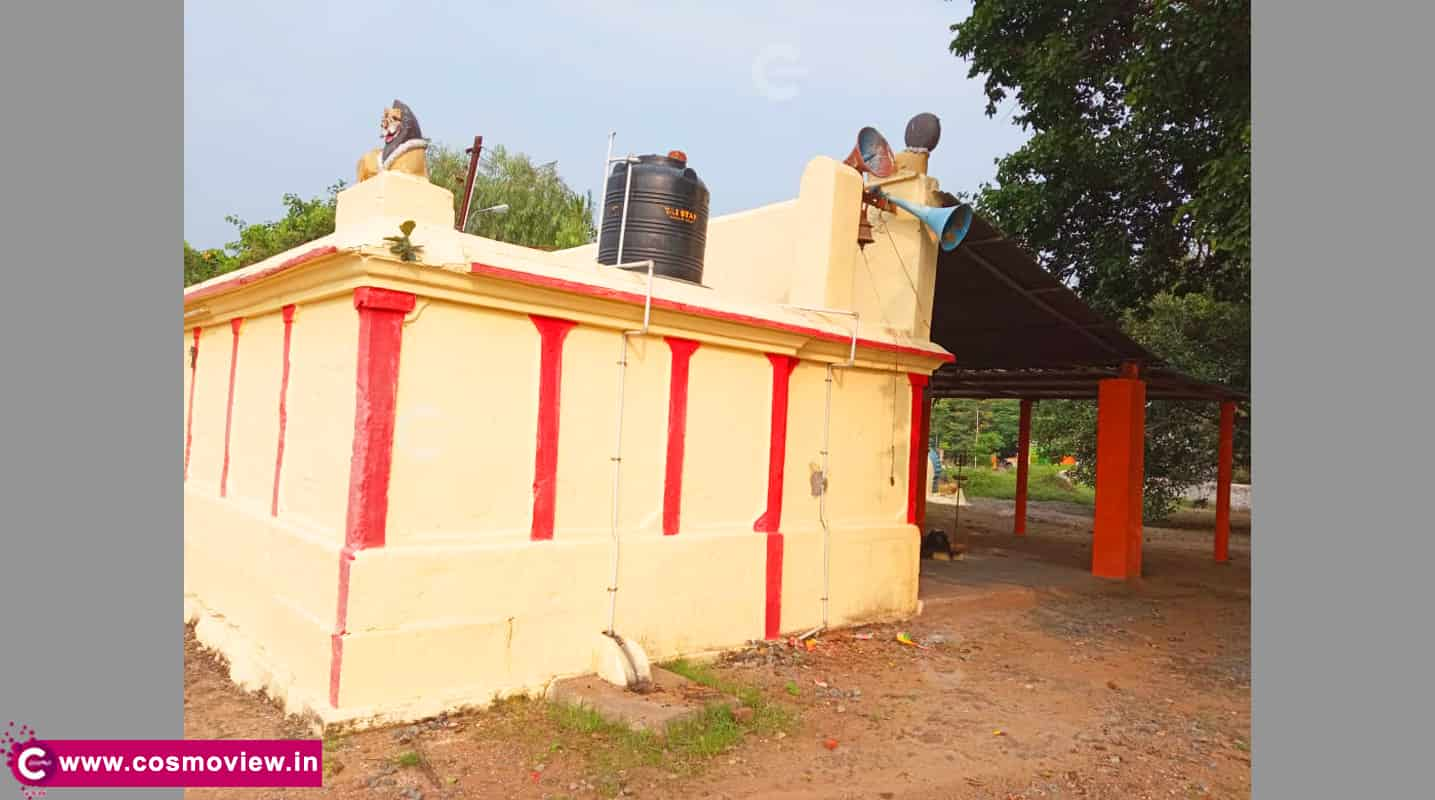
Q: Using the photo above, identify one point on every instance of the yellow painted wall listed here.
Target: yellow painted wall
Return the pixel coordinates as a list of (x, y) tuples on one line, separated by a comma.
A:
[(725, 462), (459, 605), (464, 434), (750, 254), (323, 359)]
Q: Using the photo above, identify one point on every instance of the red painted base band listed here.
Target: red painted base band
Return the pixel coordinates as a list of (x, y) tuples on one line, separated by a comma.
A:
[(683, 350), (189, 415), (283, 411), (550, 385), (234, 325)]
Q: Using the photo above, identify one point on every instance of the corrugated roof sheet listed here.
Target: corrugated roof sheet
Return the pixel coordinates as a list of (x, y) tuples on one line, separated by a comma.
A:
[(1017, 331)]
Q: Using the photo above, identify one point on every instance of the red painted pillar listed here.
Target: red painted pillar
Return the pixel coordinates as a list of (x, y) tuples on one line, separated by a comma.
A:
[(189, 415), (552, 332), (926, 483), (771, 520), (288, 312), (916, 454), (1120, 472), (235, 325), (1226, 454), (381, 330), (1023, 461), (683, 350)]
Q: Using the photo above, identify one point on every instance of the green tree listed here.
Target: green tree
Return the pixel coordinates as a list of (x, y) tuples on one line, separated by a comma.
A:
[(303, 221), (542, 210), (1204, 337), (1136, 178), (956, 428), (1134, 188), (201, 265)]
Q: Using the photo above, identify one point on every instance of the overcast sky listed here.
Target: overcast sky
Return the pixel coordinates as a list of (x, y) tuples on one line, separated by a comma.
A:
[(285, 96)]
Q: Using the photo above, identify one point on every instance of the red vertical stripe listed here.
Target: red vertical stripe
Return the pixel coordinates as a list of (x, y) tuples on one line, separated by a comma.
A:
[(234, 325), (550, 385), (772, 617), (189, 421), (916, 451), (677, 431), (771, 520), (283, 412), (336, 639), (925, 461), (1225, 457), (381, 327)]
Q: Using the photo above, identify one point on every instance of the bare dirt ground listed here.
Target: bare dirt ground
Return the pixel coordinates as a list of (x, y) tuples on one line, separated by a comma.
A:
[(1033, 680)]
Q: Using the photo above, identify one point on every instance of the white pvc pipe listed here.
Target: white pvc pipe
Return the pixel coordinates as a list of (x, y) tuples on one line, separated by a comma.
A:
[(627, 192), (617, 457), (826, 463)]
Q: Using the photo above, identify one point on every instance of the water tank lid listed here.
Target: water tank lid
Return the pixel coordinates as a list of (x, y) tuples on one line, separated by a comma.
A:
[(678, 155)]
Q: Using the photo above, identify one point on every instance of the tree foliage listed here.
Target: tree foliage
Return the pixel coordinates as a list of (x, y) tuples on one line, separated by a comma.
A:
[(303, 221), (1136, 178), (1134, 189), (977, 428), (543, 212), (1204, 337)]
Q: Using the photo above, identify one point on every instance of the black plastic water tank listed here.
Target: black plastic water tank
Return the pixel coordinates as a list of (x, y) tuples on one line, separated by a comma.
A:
[(667, 217)]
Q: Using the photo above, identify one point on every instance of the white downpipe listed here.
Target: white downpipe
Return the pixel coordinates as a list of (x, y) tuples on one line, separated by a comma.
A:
[(826, 461), (627, 193), (617, 457)]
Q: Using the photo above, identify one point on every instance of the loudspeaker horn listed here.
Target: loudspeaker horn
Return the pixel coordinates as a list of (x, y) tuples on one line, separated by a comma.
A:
[(950, 223), (872, 154)]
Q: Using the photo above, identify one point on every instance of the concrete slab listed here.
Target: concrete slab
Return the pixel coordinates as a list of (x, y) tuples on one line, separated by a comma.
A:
[(672, 698)]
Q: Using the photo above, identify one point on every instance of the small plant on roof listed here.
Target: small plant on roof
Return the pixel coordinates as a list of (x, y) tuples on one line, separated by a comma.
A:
[(401, 246)]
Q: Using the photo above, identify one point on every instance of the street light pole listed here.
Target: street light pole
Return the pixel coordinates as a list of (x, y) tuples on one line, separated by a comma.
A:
[(501, 208)]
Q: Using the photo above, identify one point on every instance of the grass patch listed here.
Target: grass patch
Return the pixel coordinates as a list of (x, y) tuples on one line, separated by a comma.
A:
[(767, 718), (335, 741), (610, 748), (407, 759), (1043, 483)]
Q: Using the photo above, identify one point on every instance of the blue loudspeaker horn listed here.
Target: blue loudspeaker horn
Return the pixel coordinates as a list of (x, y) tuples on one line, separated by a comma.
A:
[(950, 224)]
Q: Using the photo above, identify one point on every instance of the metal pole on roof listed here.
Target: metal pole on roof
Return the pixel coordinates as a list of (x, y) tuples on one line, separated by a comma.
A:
[(473, 155)]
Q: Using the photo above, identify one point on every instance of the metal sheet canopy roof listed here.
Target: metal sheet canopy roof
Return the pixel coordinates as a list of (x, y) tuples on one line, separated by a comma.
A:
[(1018, 332)]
